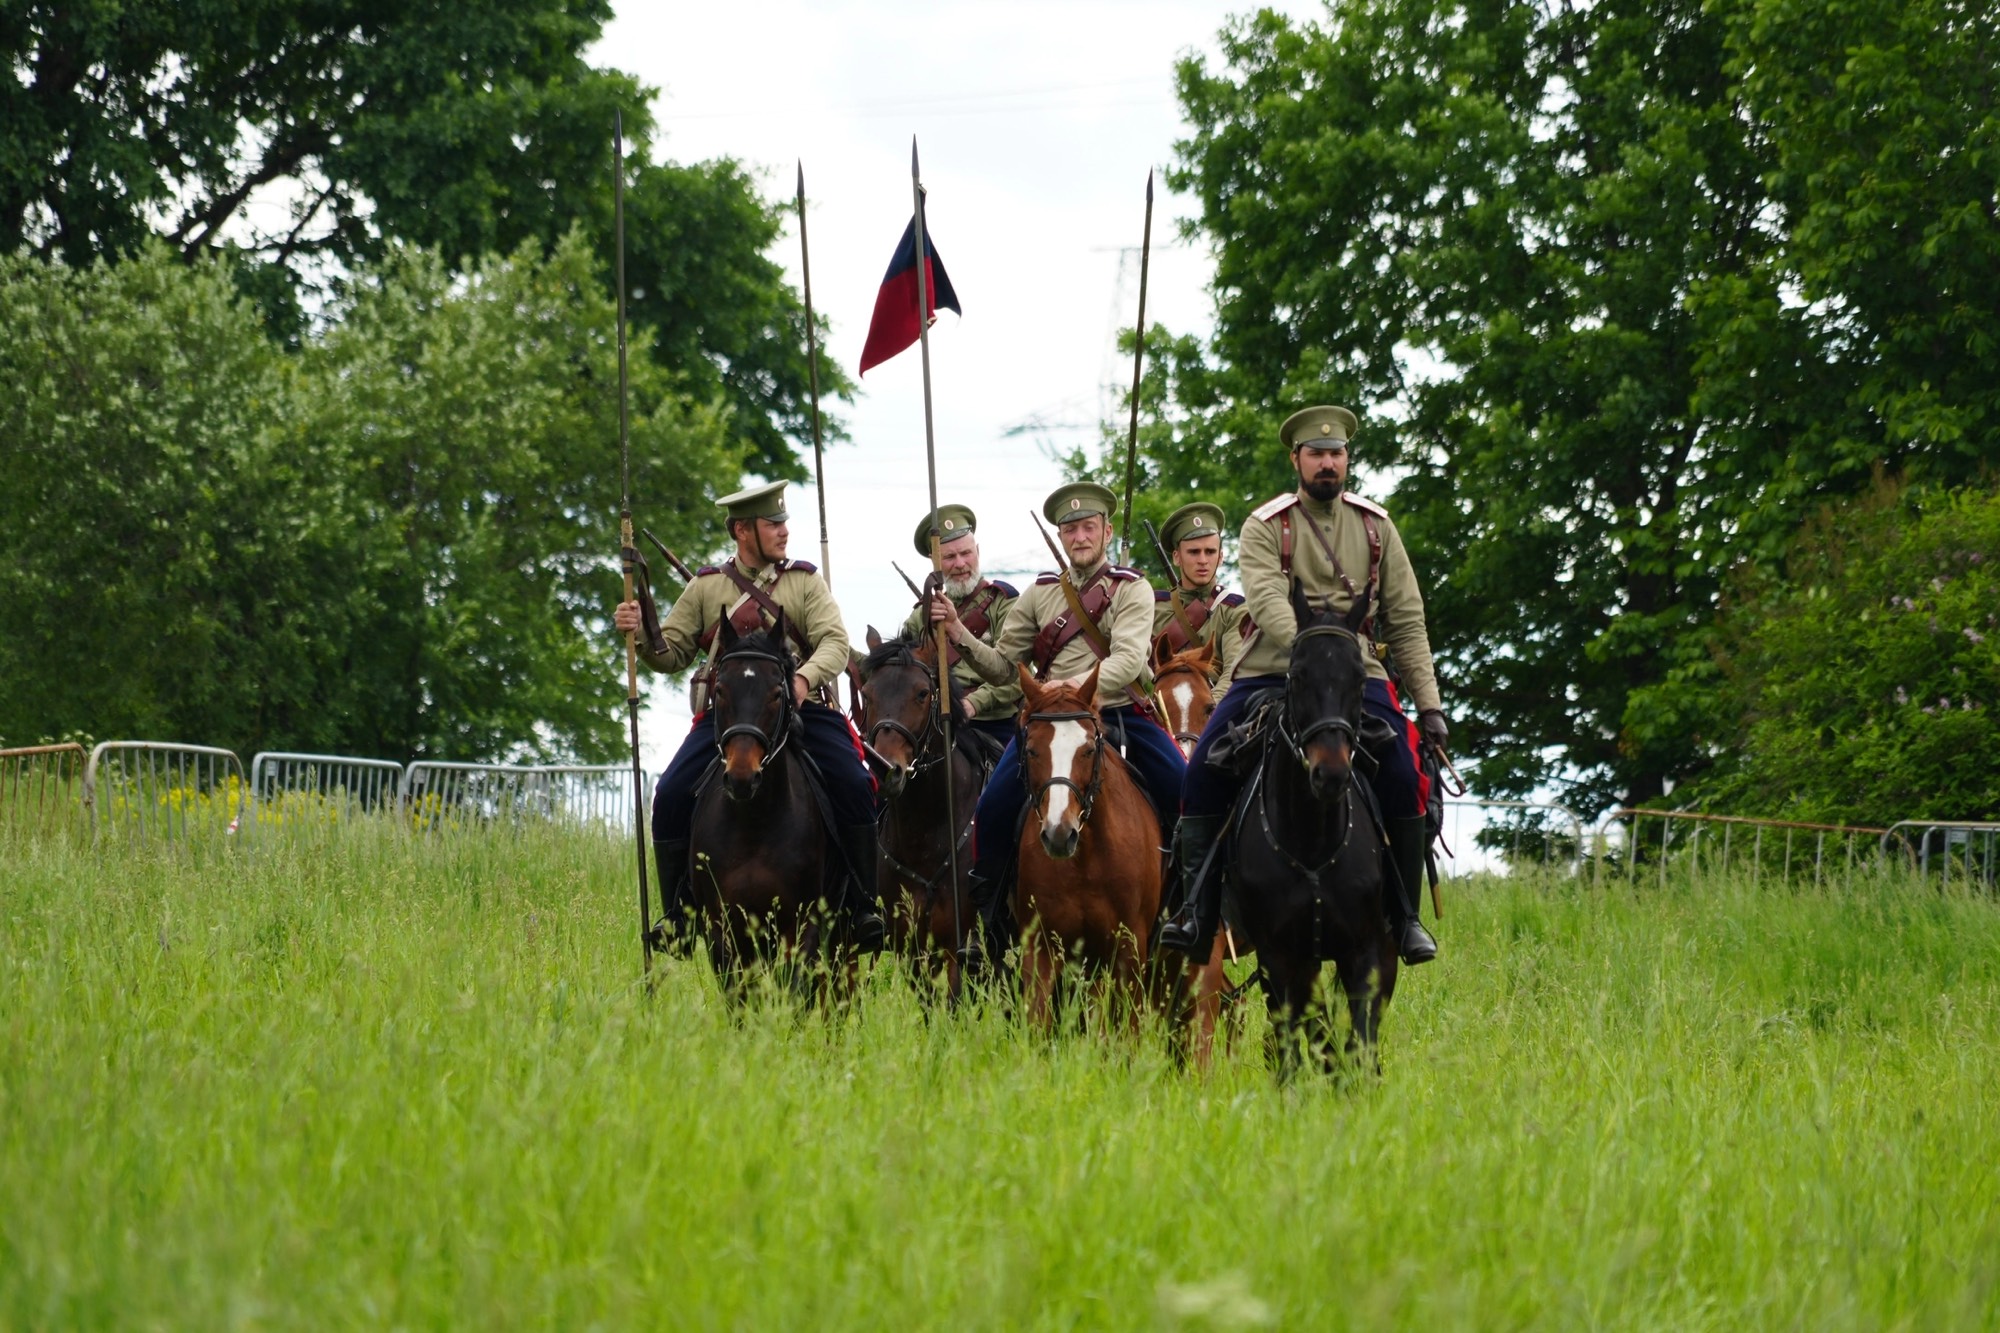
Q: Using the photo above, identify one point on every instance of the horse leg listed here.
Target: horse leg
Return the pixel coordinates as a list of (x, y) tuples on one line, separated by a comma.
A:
[(1356, 970), (1288, 998), (1041, 970)]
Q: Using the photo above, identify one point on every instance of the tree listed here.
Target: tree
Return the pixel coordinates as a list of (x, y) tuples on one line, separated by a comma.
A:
[(392, 543), (1859, 682), (309, 139)]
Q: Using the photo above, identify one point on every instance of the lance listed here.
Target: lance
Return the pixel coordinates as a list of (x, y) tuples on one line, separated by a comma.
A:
[(628, 551), (937, 560), (1138, 366), (812, 371)]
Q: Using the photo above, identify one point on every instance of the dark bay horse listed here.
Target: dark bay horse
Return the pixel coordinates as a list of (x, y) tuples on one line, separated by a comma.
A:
[(1090, 874), (1310, 853), (765, 866), (1185, 685), (930, 916)]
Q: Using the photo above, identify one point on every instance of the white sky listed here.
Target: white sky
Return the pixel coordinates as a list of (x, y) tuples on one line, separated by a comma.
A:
[(1037, 123)]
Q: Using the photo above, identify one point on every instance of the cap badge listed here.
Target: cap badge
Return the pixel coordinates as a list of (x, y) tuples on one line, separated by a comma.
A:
[(1325, 428), (949, 525), (1197, 520), (1076, 504)]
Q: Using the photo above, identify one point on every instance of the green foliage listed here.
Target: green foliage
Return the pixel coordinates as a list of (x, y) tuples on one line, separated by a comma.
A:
[(1860, 687), (392, 543), (311, 140), (417, 1083), (1555, 255)]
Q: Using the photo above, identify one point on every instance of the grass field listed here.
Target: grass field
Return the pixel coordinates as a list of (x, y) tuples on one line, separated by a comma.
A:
[(382, 1082)]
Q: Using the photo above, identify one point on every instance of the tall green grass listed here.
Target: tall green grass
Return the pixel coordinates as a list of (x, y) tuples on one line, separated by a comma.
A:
[(377, 1081)]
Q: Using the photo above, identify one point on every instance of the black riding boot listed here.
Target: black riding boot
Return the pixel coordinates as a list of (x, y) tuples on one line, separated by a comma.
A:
[(1192, 930), (982, 953), (676, 929), (862, 904), (1403, 887)]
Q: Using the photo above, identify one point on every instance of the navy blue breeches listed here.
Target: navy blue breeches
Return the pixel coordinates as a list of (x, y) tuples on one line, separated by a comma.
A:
[(1154, 759), (1001, 729), (1211, 791), (850, 787)]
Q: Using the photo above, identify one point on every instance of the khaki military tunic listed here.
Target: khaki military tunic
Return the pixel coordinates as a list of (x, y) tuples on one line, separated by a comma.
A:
[(1399, 605), (1223, 628), (990, 703), (1127, 623), (794, 585)]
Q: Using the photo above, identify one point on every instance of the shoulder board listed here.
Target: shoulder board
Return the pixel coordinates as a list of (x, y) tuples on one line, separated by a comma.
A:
[(1369, 505), (708, 569), (1124, 575), (1163, 594), (1006, 589), (1044, 580), (1232, 599), (1275, 506), (800, 567)]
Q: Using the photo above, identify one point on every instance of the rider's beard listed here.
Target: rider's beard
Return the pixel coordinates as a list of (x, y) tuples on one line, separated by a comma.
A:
[(1323, 488), (960, 589)]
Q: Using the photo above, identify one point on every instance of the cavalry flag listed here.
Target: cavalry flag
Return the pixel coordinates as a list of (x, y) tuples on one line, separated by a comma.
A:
[(894, 325)]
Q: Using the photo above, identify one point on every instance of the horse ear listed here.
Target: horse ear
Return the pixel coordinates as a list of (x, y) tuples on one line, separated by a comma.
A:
[(1160, 653), (1089, 690), (1357, 615), (1301, 608), (727, 633), (874, 640), (1203, 657), (778, 633), (1031, 693)]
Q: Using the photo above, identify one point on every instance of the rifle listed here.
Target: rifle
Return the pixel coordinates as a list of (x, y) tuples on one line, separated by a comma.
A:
[(1160, 549), (909, 582)]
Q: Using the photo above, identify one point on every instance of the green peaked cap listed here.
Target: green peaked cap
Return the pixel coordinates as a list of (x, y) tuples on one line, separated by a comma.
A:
[(1079, 499), (766, 501), (1322, 426), (1200, 519), (954, 521)]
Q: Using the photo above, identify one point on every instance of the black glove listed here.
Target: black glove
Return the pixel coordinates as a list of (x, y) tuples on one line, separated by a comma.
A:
[(1436, 733)]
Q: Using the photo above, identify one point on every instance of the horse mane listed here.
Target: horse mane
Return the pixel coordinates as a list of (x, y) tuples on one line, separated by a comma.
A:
[(1184, 661), (902, 651)]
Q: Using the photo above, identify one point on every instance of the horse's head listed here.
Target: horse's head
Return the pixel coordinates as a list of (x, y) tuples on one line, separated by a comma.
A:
[(1186, 688), (899, 693), (751, 704), (1062, 758), (1323, 693)]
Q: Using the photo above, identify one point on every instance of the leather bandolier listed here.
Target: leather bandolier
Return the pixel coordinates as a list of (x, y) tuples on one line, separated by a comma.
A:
[(754, 613), (977, 613)]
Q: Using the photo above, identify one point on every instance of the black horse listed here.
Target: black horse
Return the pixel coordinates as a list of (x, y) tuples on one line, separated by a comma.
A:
[(765, 865), (1310, 851), (930, 915)]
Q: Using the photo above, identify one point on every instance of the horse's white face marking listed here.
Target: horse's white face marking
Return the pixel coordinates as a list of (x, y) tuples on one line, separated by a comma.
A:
[(1068, 739), (749, 673)]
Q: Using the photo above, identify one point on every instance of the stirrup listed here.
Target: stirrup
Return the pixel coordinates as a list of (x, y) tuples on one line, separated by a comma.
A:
[(1182, 931), (1414, 944)]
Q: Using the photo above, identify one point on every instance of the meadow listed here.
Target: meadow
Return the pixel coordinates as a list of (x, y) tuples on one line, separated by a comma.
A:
[(376, 1080)]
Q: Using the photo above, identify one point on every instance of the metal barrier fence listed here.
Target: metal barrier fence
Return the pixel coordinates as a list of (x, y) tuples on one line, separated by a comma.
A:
[(1779, 846), (439, 795), (289, 788), (1974, 846), (158, 789), (38, 785), (1507, 842)]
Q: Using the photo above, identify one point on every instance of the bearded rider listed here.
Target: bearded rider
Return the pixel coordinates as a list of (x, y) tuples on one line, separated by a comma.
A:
[(750, 588), (1341, 548), (984, 605)]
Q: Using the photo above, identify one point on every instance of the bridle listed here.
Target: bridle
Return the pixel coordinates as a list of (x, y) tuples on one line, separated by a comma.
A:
[(787, 709), (921, 758), (1186, 739), (1297, 743), (1086, 794)]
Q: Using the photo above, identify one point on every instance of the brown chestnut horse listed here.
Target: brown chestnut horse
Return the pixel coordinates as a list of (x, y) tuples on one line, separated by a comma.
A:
[(930, 917), (1185, 685), (764, 864), (1089, 872)]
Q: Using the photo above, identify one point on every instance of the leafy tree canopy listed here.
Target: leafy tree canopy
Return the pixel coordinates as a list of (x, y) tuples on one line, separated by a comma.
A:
[(393, 542), (310, 138)]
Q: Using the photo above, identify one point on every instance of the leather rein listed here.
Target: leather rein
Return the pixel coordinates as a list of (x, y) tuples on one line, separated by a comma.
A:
[(787, 710)]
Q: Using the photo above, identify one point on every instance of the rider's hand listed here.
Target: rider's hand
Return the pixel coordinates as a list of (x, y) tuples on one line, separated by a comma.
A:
[(1436, 733), (965, 707), (800, 689), (626, 617), (942, 612)]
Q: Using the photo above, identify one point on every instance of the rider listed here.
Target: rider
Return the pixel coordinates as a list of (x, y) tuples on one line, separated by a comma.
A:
[(1340, 548), (1196, 610), (1101, 618), (750, 588), (983, 604)]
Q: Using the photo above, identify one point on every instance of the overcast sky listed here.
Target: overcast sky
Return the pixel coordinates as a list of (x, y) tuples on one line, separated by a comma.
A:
[(1037, 123)]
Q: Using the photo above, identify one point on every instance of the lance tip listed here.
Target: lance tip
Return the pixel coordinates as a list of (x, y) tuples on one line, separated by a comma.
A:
[(802, 178), (913, 154), (1149, 185)]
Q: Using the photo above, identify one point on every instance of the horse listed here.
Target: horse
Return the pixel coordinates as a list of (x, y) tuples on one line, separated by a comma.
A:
[(1185, 685), (929, 920), (765, 863), (1089, 873), (1309, 870)]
